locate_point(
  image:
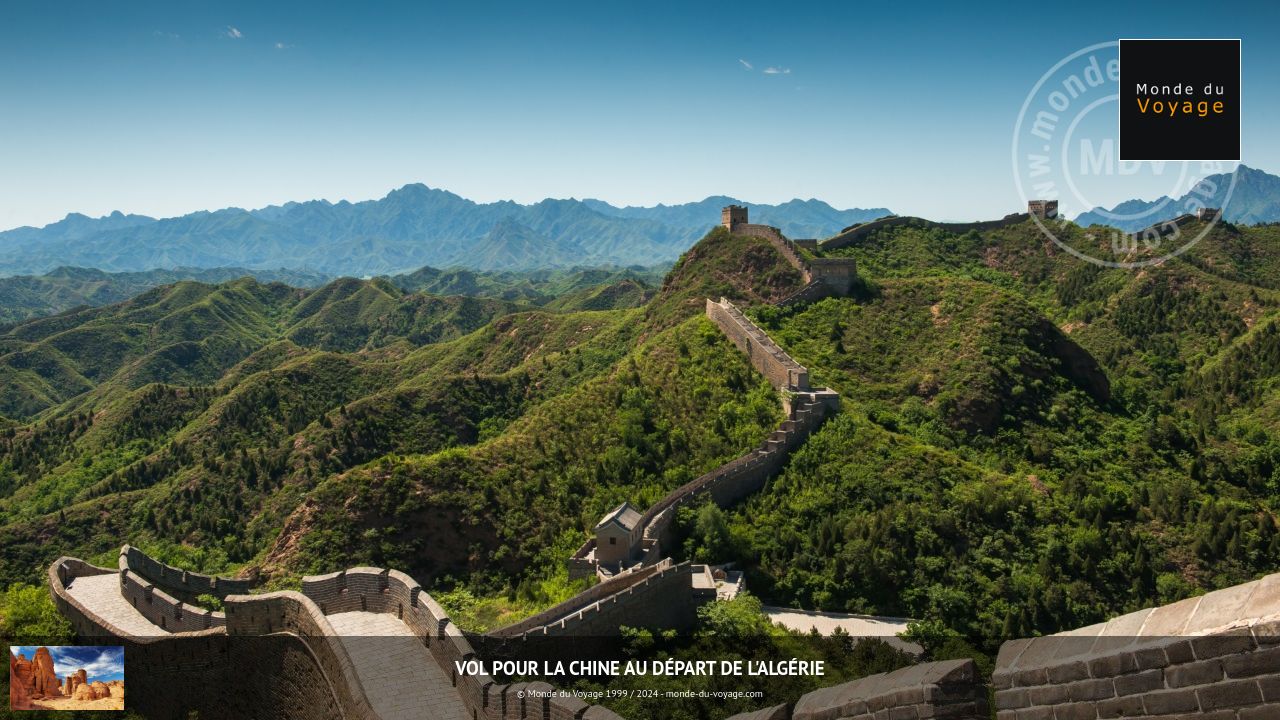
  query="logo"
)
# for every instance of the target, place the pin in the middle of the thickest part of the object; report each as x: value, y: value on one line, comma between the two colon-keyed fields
x: 1179, y: 99
x: 1065, y: 150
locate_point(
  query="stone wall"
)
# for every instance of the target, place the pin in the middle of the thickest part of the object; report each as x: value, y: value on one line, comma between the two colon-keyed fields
x: 587, y: 597
x: 1163, y: 228
x: 224, y: 678
x: 788, y: 249
x: 277, y: 655
x: 84, y: 622
x: 253, y: 616
x: 665, y: 598
x: 732, y: 482
x: 728, y: 484
x: 814, y: 291
x: 582, y: 563
x: 839, y: 275
x: 177, y: 582
x: 393, y: 592
x: 765, y: 355
x: 203, y: 671
x: 854, y: 233
x: 1216, y: 656
x: 538, y: 701
x: 824, y: 277
x: 163, y: 610
x: 951, y: 689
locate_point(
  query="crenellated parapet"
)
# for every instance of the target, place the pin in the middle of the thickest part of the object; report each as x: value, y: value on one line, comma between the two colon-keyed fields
x: 1217, y: 655
x: 179, y: 667
x: 762, y: 352
x: 574, y: 605
x: 178, y: 582
x: 663, y: 596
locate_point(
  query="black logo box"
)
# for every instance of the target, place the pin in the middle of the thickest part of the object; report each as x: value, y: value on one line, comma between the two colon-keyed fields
x: 1180, y: 64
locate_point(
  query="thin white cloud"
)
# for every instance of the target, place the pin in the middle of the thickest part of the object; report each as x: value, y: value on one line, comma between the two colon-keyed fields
x: 746, y: 64
x: 234, y: 33
x: 166, y: 35
x: 283, y: 46
x: 104, y: 664
x: 777, y: 71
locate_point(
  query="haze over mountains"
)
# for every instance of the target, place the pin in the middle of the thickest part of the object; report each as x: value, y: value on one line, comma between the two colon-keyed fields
x: 416, y: 226
x: 409, y: 228
x: 1254, y: 199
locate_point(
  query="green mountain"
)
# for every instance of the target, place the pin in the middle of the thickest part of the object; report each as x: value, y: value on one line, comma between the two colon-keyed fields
x: 242, y: 455
x: 24, y: 297
x: 1027, y: 442
x: 1031, y: 443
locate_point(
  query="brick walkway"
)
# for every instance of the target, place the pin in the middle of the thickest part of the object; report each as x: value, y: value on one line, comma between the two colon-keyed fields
x: 400, y: 677
x: 101, y: 594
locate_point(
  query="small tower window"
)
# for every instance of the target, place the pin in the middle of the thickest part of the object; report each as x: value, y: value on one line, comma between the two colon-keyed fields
x: 613, y: 541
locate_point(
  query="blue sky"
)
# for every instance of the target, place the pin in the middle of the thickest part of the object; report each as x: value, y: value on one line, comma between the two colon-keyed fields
x: 166, y: 108
x: 100, y: 662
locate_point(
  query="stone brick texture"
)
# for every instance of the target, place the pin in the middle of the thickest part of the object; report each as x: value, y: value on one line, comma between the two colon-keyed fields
x: 662, y: 599
x: 176, y: 582
x: 578, y: 602
x: 766, y: 357
x: 1212, y: 656
x: 1215, y: 656
x: 950, y: 689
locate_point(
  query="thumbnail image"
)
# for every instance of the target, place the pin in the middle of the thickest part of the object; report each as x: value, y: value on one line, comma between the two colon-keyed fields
x: 66, y: 677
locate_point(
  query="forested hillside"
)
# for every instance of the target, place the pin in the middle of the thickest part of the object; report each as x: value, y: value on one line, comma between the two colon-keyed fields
x: 1027, y: 443
x: 24, y: 297
x: 220, y: 425
x: 1031, y: 443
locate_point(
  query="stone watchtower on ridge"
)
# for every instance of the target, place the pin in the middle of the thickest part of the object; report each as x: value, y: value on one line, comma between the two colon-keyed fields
x: 733, y: 215
x: 1046, y: 209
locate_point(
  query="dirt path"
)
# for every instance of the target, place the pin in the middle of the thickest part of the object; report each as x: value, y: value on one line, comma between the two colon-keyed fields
x: 885, y: 628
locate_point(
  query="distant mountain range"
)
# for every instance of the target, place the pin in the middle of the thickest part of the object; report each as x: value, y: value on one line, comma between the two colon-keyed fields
x: 1255, y: 199
x: 411, y: 227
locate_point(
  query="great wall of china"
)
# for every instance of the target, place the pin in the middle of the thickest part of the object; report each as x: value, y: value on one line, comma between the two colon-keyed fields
x: 370, y: 644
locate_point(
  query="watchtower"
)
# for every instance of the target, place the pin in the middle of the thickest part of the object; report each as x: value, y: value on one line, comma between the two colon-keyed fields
x: 618, y: 535
x: 733, y: 215
x: 1044, y: 209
